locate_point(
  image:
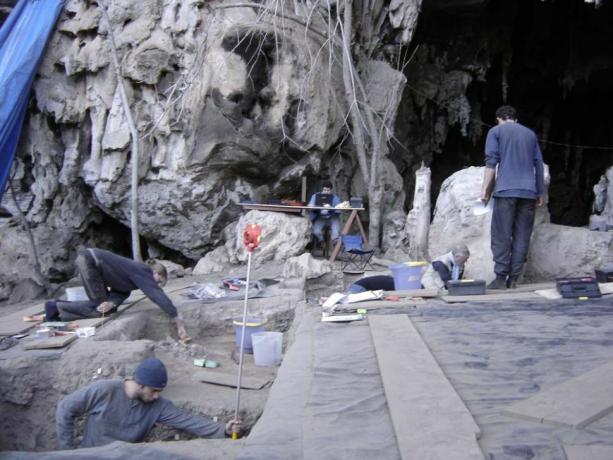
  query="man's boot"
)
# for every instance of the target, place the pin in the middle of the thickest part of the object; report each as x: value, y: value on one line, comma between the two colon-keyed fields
x: 512, y: 282
x: 499, y: 283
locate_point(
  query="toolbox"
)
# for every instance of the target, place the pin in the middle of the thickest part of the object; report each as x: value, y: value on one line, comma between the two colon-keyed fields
x: 604, y: 274
x: 466, y: 287
x: 356, y: 202
x: 573, y: 288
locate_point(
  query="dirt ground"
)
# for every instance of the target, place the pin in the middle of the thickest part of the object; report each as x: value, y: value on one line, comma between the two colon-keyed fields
x: 33, y: 381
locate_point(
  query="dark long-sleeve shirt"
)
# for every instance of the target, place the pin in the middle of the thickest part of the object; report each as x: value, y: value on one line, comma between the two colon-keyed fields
x: 374, y: 283
x: 112, y: 416
x: 124, y: 275
x: 515, y: 150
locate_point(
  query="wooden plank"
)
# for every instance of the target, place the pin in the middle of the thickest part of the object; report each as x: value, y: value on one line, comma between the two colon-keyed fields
x: 58, y: 341
x: 531, y: 287
x: 591, y: 452
x: 14, y: 324
x: 549, y: 294
x: 575, y: 403
x: 229, y: 380
x: 430, y: 420
x: 377, y: 304
x: 503, y: 295
x: 415, y: 293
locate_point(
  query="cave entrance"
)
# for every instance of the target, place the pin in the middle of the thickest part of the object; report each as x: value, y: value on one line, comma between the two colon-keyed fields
x: 548, y: 59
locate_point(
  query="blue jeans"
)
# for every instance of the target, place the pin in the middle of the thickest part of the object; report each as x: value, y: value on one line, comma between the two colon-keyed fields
x: 512, y: 222
x: 334, y: 224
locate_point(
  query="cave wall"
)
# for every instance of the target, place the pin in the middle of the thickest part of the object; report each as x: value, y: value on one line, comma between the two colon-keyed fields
x: 551, y: 60
x: 231, y: 102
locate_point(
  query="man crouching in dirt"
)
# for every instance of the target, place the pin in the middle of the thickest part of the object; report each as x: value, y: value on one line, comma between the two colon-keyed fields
x: 108, y: 280
x: 127, y: 410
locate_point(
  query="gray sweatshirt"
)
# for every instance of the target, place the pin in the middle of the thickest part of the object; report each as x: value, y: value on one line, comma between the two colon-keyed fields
x: 112, y: 416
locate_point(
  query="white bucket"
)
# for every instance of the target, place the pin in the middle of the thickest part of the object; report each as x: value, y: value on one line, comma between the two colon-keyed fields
x: 75, y: 294
x: 267, y: 348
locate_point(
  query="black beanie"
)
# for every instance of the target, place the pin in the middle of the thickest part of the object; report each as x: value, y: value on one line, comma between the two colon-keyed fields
x: 151, y: 373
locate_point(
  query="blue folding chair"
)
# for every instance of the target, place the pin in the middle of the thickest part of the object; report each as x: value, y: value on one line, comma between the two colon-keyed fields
x: 356, y: 256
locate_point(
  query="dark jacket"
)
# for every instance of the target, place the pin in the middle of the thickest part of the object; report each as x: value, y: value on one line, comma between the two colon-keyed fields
x: 124, y: 275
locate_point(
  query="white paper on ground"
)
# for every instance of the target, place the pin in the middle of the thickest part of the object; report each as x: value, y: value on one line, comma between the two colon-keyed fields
x: 366, y: 295
x: 333, y: 299
x: 341, y: 318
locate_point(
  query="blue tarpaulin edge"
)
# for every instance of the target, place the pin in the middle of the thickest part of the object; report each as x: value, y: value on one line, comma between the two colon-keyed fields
x: 23, y: 37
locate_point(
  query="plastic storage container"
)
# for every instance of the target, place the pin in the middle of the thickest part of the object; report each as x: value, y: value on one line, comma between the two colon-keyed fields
x: 75, y: 294
x: 408, y: 275
x: 267, y: 348
x: 573, y: 288
x: 466, y: 287
x: 252, y: 326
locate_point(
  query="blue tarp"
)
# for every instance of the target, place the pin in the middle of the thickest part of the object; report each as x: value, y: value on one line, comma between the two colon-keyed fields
x: 22, y: 43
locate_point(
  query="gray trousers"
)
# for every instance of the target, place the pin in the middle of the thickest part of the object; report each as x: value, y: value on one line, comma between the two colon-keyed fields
x: 512, y: 223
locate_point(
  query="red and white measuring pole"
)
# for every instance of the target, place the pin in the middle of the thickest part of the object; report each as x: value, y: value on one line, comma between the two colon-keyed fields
x: 251, y: 239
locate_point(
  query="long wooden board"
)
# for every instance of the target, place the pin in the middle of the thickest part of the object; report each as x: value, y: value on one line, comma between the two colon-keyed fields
x: 14, y: 324
x: 59, y: 341
x: 430, y: 419
x: 575, y: 403
x: 414, y: 293
x: 503, y: 295
x: 229, y: 380
x: 377, y: 304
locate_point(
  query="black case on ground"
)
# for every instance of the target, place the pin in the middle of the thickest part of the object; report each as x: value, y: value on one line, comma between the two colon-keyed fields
x: 573, y: 288
x: 466, y: 287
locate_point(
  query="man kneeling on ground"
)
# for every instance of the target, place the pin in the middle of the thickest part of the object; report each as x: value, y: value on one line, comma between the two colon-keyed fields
x: 127, y: 410
x: 108, y: 280
x: 448, y: 267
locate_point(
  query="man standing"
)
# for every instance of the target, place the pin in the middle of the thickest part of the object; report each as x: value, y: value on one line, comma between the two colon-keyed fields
x: 325, y: 217
x: 127, y: 410
x: 108, y: 280
x: 518, y: 189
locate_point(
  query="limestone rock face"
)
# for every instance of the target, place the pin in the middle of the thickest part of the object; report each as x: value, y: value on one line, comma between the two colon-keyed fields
x: 602, y: 219
x: 283, y: 236
x: 560, y: 251
x: 227, y: 109
x: 305, y: 267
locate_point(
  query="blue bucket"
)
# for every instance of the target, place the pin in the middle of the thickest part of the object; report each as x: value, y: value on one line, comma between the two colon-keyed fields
x: 407, y: 276
x: 252, y: 325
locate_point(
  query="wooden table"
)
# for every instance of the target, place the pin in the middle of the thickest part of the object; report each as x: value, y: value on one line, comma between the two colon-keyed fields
x: 353, y: 217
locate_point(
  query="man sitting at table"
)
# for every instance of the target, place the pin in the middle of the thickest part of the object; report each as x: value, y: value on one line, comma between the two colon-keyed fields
x: 323, y: 217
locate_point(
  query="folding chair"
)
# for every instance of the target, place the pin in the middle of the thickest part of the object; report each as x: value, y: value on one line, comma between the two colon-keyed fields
x: 356, y: 256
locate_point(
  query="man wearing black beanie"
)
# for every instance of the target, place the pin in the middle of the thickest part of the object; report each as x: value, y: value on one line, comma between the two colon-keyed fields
x: 127, y: 410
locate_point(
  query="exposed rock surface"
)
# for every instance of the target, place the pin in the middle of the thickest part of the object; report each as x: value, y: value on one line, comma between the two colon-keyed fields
x: 558, y: 251
x: 283, y: 236
x: 305, y: 267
